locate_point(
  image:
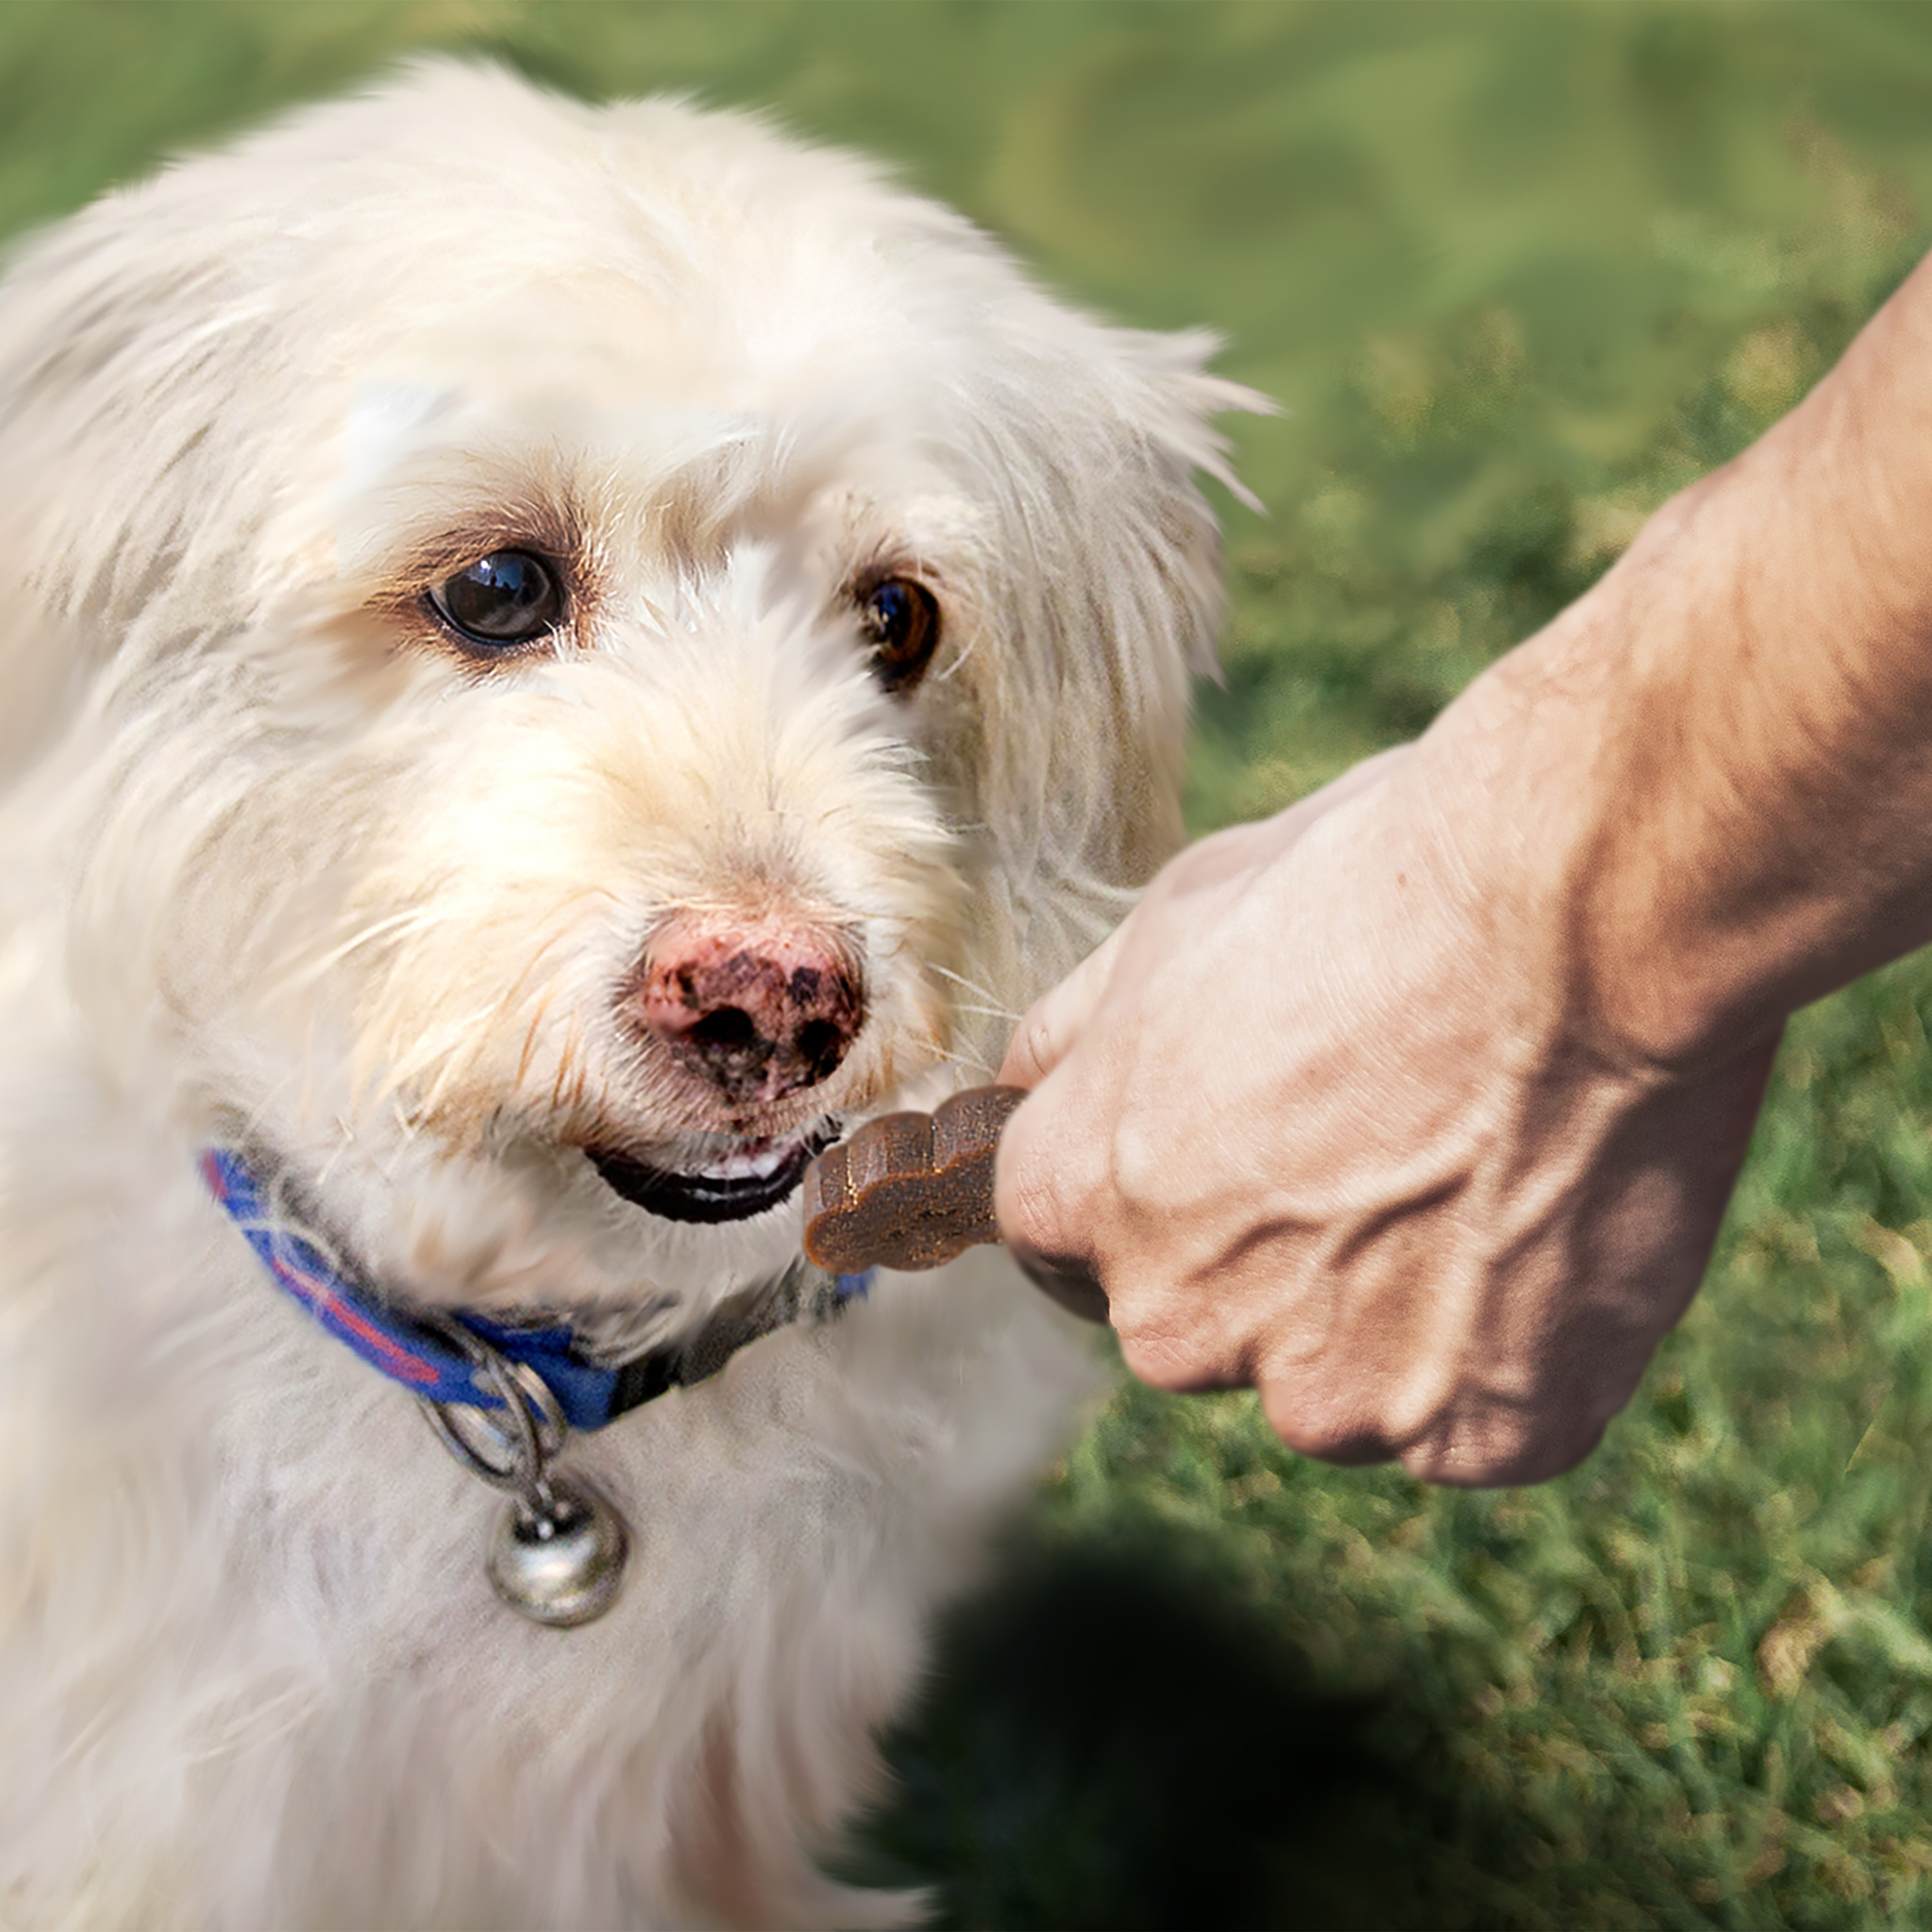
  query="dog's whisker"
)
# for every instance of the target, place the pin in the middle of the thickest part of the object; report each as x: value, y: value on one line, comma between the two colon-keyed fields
x: 971, y: 1062
x: 299, y: 976
x: 983, y: 992
x: 959, y: 979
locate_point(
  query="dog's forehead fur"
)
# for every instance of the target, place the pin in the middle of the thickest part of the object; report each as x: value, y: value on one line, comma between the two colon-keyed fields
x: 646, y: 306
x: 584, y: 266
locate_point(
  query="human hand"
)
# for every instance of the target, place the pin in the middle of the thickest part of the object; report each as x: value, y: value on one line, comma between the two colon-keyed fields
x: 1418, y: 1107
x: 1328, y: 1115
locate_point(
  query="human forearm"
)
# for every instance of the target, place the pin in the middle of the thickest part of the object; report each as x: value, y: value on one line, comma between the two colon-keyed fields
x: 1717, y: 766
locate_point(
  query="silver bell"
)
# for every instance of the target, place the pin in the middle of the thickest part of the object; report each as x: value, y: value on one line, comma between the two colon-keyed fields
x: 558, y: 1557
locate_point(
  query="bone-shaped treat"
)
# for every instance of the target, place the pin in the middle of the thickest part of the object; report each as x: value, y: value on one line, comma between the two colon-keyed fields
x: 909, y: 1190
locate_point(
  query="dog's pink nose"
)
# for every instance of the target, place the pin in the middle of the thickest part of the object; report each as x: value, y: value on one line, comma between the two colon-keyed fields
x: 760, y: 1008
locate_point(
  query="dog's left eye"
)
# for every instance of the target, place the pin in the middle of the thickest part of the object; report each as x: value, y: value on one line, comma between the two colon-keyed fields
x: 509, y: 598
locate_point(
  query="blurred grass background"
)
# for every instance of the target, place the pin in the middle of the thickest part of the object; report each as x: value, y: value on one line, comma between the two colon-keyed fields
x: 1516, y: 271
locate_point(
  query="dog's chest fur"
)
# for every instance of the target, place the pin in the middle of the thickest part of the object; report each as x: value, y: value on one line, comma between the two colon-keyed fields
x: 496, y: 582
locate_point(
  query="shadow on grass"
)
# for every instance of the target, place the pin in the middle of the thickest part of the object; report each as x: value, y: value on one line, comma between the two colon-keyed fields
x: 1107, y: 1740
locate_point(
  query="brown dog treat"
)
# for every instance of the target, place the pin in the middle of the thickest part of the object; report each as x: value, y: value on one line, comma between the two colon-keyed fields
x: 908, y: 1190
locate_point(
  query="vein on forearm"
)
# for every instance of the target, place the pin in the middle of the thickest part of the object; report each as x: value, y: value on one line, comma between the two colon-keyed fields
x: 1765, y: 769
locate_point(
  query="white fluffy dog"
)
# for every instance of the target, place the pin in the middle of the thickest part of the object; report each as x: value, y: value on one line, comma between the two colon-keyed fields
x: 556, y: 659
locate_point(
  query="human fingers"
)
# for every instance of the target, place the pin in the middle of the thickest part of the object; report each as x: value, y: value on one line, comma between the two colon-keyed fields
x: 1471, y: 1442
x: 1055, y: 1022
x: 1059, y: 1017
x: 1045, y: 1186
x: 1357, y: 778
x: 1189, y: 1357
x: 1504, y: 1457
x: 1069, y: 1282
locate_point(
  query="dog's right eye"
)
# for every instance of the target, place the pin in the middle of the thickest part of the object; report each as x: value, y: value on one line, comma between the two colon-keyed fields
x: 900, y: 621
x: 509, y: 598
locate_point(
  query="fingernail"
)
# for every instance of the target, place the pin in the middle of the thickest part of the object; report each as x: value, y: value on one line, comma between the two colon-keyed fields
x: 1069, y: 1283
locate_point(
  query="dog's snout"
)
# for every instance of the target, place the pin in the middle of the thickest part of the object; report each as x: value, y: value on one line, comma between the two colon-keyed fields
x: 757, y: 1008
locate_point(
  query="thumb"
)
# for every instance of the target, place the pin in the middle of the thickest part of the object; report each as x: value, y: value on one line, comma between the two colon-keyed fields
x: 1058, y: 1017
x: 1037, y: 1194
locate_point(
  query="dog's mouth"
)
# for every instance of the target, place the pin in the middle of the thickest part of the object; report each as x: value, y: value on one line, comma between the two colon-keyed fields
x: 743, y: 1178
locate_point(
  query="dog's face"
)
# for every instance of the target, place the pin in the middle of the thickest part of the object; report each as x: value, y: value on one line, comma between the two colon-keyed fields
x: 604, y: 647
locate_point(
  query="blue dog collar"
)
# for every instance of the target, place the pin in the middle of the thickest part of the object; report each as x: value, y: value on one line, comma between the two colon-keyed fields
x: 409, y: 1349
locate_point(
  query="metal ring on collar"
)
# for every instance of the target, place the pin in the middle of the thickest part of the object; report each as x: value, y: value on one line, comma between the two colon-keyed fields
x: 508, y: 1448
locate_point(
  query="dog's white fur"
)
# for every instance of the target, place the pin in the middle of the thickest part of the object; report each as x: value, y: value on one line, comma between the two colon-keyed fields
x: 273, y: 860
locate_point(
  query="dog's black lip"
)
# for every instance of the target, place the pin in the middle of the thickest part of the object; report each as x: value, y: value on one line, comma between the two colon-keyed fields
x: 703, y: 1197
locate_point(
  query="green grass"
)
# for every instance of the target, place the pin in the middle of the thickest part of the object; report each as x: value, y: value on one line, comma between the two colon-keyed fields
x: 1515, y: 272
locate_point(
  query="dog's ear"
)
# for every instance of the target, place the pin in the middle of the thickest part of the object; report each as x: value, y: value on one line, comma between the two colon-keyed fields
x: 1178, y: 397
x: 1113, y: 600
x: 120, y: 464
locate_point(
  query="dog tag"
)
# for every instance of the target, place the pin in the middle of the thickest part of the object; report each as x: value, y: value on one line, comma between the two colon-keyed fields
x: 559, y: 1559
